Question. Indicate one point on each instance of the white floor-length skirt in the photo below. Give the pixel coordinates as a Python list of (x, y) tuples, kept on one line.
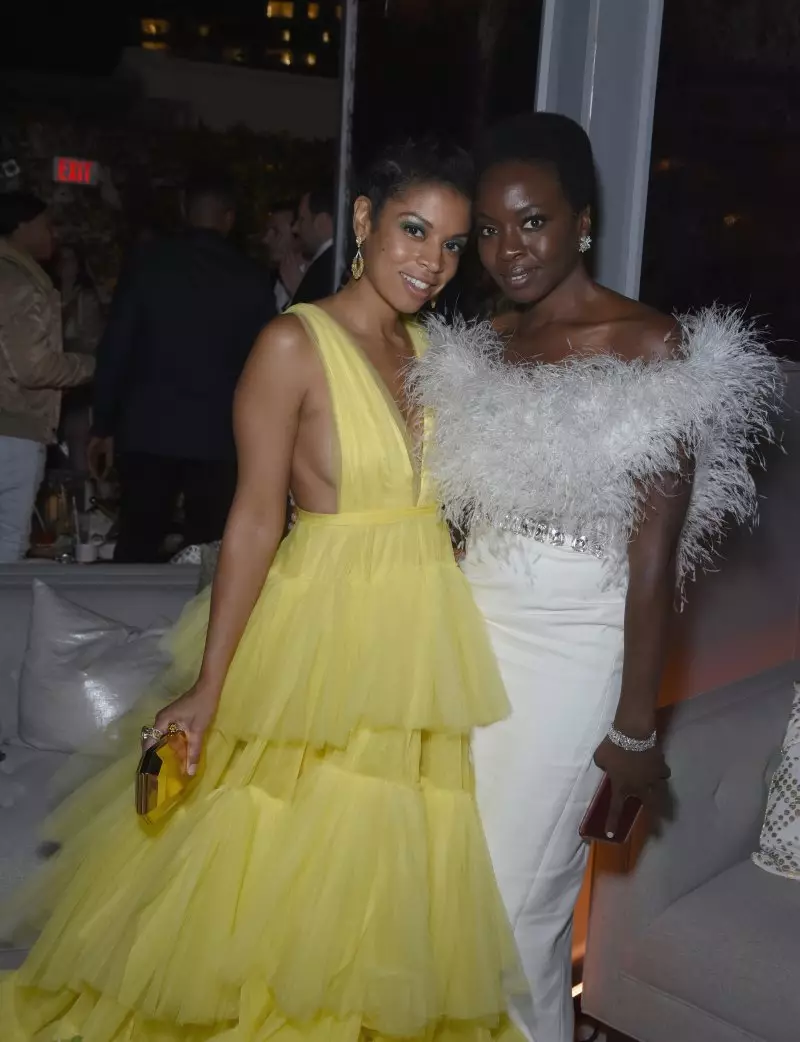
[(557, 631)]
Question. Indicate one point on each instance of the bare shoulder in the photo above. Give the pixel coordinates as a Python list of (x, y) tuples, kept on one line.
[(285, 337), (642, 332), (283, 361), (283, 344), (658, 337)]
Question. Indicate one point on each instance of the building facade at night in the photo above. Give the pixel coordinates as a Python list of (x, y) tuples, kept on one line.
[(291, 36)]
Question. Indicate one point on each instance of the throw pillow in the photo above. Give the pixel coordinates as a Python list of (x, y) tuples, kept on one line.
[(780, 835), (205, 555), (81, 672)]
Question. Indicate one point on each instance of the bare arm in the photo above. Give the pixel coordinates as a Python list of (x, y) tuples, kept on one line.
[(652, 568), (266, 419), (652, 562)]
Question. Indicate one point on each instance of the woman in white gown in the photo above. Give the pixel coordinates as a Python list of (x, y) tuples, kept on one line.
[(592, 483)]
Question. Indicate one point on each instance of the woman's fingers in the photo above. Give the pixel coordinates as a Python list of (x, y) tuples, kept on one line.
[(194, 748), (615, 808)]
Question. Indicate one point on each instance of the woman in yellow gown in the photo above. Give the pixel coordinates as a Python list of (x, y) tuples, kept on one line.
[(327, 878)]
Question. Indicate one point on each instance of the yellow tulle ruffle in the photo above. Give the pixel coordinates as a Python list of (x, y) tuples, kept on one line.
[(328, 878)]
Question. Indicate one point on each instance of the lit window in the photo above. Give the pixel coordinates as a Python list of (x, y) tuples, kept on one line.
[(155, 26), (286, 57), (339, 11), (313, 11), (280, 9), (234, 54), (286, 36), (311, 59), (326, 37), (154, 45), (204, 30)]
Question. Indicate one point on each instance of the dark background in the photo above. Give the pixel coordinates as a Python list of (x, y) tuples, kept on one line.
[(726, 142)]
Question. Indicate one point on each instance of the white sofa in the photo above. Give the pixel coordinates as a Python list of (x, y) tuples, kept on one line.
[(694, 943), (691, 942), (140, 596)]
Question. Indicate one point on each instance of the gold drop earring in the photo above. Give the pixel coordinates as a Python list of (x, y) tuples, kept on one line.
[(357, 265)]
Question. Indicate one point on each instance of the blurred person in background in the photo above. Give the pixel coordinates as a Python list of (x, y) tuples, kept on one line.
[(82, 321), (34, 368), (284, 254), (185, 315), (314, 231)]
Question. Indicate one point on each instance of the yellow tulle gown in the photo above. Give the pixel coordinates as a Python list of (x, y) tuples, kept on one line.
[(327, 880)]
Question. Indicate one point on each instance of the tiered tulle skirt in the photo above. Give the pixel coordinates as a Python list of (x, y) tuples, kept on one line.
[(328, 879)]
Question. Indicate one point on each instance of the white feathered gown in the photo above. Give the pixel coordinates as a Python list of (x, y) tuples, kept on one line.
[(539, 458)]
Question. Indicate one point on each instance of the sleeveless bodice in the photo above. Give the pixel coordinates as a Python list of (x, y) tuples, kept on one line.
[(380, 467), (333, 877)]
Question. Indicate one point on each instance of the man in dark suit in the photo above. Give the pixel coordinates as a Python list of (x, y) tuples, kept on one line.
[(284, 255), (183, 321), (314, 231)]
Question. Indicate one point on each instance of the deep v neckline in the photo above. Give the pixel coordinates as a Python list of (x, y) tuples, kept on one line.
[(414, 446)]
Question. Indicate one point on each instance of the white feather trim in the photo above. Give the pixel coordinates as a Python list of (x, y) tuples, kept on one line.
[(580, 444)]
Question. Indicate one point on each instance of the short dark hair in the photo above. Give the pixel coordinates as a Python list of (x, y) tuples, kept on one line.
[(409, 163), (18, 208), (546, 138), (322, 199), (211, 184)]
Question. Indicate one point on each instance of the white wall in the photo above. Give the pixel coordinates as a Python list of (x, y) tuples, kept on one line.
[(222, 96), (745, 616), (598, 64)]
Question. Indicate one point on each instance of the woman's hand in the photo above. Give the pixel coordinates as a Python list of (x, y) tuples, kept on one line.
[(643, 775), (192, 712)]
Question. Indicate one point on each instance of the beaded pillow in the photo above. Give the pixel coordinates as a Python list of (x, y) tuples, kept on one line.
[(779, 846)]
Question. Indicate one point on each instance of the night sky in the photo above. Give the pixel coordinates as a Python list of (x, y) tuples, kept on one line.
[(67, 39)]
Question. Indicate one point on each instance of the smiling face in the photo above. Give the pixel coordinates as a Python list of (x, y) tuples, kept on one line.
[(528, 232), (412, 251)]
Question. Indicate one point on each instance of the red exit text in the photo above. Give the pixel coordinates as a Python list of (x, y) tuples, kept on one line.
[(75, 171)]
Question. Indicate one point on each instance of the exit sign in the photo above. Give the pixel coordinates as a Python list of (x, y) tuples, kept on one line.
[(75, 171)]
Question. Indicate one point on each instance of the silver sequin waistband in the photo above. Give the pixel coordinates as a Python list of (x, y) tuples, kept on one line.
[(546, 533)]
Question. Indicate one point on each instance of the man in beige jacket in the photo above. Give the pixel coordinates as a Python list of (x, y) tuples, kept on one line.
[(34, 367)]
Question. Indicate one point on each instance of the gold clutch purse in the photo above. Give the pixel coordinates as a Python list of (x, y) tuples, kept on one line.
[(160, 779)]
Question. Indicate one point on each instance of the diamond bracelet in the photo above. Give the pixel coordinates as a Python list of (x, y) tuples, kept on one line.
[(631, 745)]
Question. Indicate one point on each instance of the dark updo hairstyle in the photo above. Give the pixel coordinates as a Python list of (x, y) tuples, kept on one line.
[(18, 208), (410, 163), (545, 138)]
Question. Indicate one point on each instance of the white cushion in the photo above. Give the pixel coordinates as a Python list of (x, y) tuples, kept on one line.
[(81, 672), (780, 834)]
